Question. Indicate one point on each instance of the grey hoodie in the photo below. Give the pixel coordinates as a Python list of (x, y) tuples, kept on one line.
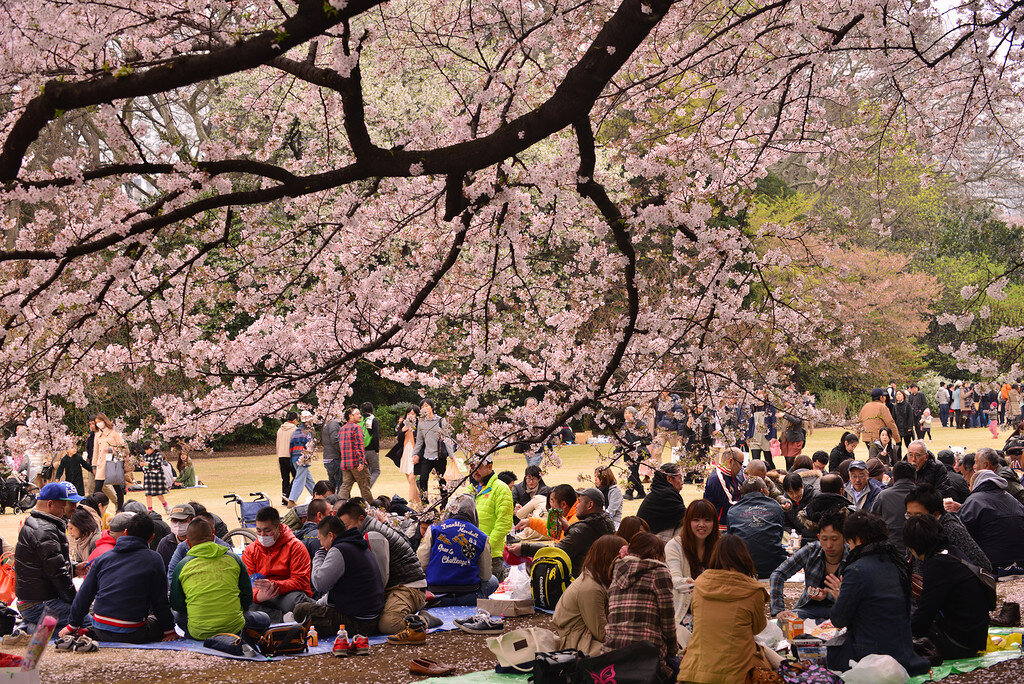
[(429, 433)]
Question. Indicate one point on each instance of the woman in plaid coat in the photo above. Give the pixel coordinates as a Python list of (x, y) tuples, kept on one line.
[(153, 478), (640, 602)]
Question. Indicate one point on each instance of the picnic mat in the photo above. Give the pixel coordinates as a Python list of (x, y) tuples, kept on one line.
[(448, 615)]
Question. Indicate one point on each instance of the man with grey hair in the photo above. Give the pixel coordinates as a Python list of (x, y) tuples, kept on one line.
[(987, 458), (118, 526), (929, 471), (759, 521)]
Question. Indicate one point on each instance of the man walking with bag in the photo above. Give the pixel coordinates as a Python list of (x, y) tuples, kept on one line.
[(352, 457)]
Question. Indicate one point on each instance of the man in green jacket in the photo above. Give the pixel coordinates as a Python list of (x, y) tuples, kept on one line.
[(494, 508), (211, 590)]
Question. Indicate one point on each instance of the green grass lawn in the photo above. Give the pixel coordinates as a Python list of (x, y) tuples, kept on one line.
[(258, 471)]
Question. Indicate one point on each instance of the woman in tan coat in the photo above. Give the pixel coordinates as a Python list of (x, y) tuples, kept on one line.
[(108, 445), (582, 612), (728, 610)]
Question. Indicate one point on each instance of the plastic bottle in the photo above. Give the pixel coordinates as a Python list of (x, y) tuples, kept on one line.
[(312, 638), (38, 642), (342, 634)]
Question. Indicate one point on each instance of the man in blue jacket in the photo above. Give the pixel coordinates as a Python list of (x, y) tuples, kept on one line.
[(456, 555), (759, 521), (127, 589)]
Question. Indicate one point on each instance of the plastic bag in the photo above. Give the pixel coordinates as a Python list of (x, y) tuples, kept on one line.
[(1000, 642), (771, 635), (876, 669), (519, 583)]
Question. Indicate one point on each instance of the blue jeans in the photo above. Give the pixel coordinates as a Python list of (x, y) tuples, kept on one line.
[(815, 610), (535, 458), (32, 616), (486, 589), (944, 414), (254, 619), (303, 478), (333, 469)]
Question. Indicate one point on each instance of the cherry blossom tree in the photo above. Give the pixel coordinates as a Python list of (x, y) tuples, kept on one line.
[(481, 196)]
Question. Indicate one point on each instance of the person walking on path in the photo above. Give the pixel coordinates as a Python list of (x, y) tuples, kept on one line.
[(957, 405), (371, 440), (942, 398), (917, 405), (154, 479), (284, 458), (352, 461), (432, 447), (329, 440), (874, 416), (300, 453)]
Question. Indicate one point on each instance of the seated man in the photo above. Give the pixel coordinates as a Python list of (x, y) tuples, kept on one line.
[(400, 570), (819, 560), (182, 549), (42, 566), (759, 521), (309, 535), (282, 563), (593, 522), (800, 496), (181, 515), (561, 498), (996, 521), (127, 590), (346, 571), (162, 529), (118, 526), (891, 505), (293, 517), (757, 468), (954, 604), (862, 490), (924, 500), (664, 508), (211, 591), (456, 555), (723, 485)]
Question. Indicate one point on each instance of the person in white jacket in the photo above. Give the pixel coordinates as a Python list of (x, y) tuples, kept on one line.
[(687, 556)]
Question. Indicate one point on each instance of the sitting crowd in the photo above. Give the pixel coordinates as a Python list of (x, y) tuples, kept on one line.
[(890, 551)]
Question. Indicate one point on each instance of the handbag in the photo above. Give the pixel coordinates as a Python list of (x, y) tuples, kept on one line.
[(7, 578), (288, 639), (638, 663), (801, 672), (518, 649), (987, 579), (556, 667), (114, 472)]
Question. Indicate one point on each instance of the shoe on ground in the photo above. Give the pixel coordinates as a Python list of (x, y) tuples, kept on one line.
[(18, 637), (481, 623), (414, 633), (65, 643), (471, 618), (84, 644), (430, 668), (1008, 616), (342, 647), (360, 645)]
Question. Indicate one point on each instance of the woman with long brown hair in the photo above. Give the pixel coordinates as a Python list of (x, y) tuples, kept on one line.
[(728, 610), (689, 554), (109, 447), (581, 613)]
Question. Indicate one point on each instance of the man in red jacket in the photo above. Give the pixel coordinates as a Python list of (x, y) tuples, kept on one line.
[(279, 565)]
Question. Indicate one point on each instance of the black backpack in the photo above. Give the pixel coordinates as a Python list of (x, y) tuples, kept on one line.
[(287, 639), (550, 576)]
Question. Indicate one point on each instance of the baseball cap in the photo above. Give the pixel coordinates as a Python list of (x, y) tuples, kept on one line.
[(858, 465), (119, 523), (182, 512), (877, 392), (594, 494), (59, 491)]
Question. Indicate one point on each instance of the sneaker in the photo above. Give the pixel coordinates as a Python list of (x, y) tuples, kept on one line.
[(18, 637), (471, 618), (360, 645), (84, 644), (341, 648), (414, 633), (432, 620), (65, 643), (483, 624)]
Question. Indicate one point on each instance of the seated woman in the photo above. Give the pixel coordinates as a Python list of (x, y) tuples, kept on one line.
[(872, 598), (582, 611), (82, 535), (728, 610), (530, 496), (688, 555), (604, 479), (640, 602), (186, 473), (954, 604), (630, 526)]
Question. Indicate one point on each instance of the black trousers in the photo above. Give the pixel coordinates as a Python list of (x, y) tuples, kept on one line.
[(634, 483), (439, 465), (118, 491), (287, 475)]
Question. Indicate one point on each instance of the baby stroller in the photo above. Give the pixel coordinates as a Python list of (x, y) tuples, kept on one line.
[(17, 495)]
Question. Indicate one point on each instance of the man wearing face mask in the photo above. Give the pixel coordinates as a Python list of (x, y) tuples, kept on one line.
[(182, 548), (282, 563), (181, 516)]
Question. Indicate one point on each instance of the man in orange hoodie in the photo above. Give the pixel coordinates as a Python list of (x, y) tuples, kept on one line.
[(562, 499), (279, 566)]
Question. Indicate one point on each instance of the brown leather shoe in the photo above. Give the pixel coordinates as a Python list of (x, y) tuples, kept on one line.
[(429, 668)]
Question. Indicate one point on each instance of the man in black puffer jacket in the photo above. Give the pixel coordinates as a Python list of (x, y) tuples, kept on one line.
[(42, 565), (406, 583)]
